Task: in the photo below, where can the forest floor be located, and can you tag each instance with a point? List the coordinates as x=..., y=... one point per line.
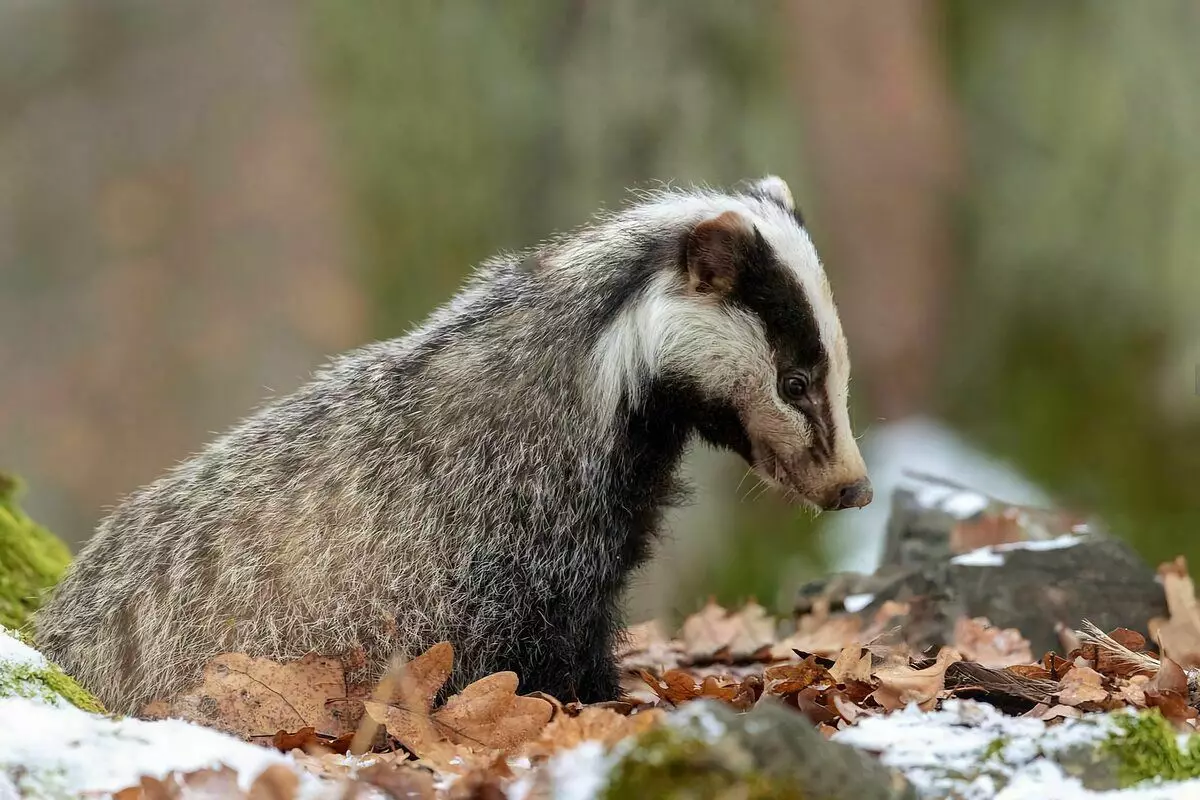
x=833, y=703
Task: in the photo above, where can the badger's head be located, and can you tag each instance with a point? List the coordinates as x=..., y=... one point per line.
x=740, y=315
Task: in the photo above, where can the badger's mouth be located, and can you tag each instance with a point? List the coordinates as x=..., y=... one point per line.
x=776, y=470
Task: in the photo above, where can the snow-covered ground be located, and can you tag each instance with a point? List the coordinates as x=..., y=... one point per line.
x=50, y=749
x=972, y=751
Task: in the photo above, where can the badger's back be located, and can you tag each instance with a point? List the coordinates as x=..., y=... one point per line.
x=453, y=484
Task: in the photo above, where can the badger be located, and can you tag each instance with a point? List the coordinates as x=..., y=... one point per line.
x=492, y=478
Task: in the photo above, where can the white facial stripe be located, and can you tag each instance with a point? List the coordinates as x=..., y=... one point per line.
x=663, y=329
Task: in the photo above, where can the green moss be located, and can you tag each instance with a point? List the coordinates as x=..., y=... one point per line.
x=1146, y=747
x=673, y=765
x=995, y=748
x=46, y=684
x=31, y=559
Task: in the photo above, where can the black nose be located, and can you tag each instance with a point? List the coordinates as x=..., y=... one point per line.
x=855, y=495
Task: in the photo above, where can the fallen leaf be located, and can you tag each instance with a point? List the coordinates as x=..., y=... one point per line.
x=203, y=783
x=1082, y=685
x=812, y=704
x=490, y=713
x=980, y=641
x=852, y=664
x=255, y=696
x=592, y=724
x=1060, y=711
x=399, y=781
x=900, y=685
x=1131, y=640
x=674, y=687
x=825, y=638
x=1170, y=678
x=276, y=782
x=786, y=679
x=1133, y=690
x=713, y=630
x=1179, y=636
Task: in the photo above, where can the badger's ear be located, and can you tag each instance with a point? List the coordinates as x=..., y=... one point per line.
x=717, y=248
x=774, y=187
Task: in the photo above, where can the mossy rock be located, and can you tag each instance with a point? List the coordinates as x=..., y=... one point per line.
x=32, y=559
x=709, y=752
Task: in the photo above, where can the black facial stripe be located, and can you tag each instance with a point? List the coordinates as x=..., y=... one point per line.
x=768, y=289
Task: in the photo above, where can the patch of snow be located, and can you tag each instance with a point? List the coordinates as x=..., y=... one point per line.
x=16, y=653
x=62, y=751
x=1057, y=543
x=991, y=555
x=983, y=557
x=580, y=773
x=857, y=602
x=952, y=753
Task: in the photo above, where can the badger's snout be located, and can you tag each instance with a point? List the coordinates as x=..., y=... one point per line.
x=855, y=494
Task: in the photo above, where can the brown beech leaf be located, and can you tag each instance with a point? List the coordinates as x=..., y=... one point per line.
x=1056, y=665
x=256, y=696
x=490, y=713
x=1179, y=636
x=1060, y=711
x=1170, y=679
x=785, y=679
x=900, y=685
x=1080, y=686
x=1128, y=639
x=813, y=704
x=592, y=724
x=980, y=641
x=203, y=783
x=1033, y=671
x=1133, y=690
x=674, y=687
x=719, y=689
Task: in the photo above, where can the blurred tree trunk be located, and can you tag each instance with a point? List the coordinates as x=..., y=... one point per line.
x=884, y=147
x=171, y=239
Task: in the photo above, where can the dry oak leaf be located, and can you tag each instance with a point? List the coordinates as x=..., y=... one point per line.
x=592, y=724
x=980, y=641
x=825, y=637
x=486, y=715
x=852, y=664
x=1179, y=636
x=1080, y=686
x=900, y=685
x=490, y=713
x=257, y=696
x=713, y=630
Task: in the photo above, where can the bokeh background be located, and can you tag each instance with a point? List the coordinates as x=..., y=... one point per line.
x=200, y=201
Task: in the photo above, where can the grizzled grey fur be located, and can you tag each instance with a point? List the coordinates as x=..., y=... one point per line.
x=490, y=479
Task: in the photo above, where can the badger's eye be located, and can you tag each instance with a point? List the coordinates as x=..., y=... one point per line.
x=795, y=386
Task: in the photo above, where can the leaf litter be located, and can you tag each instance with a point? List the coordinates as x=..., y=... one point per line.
x=840, y=670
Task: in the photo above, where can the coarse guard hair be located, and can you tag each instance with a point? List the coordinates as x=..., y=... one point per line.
x=491, y=478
